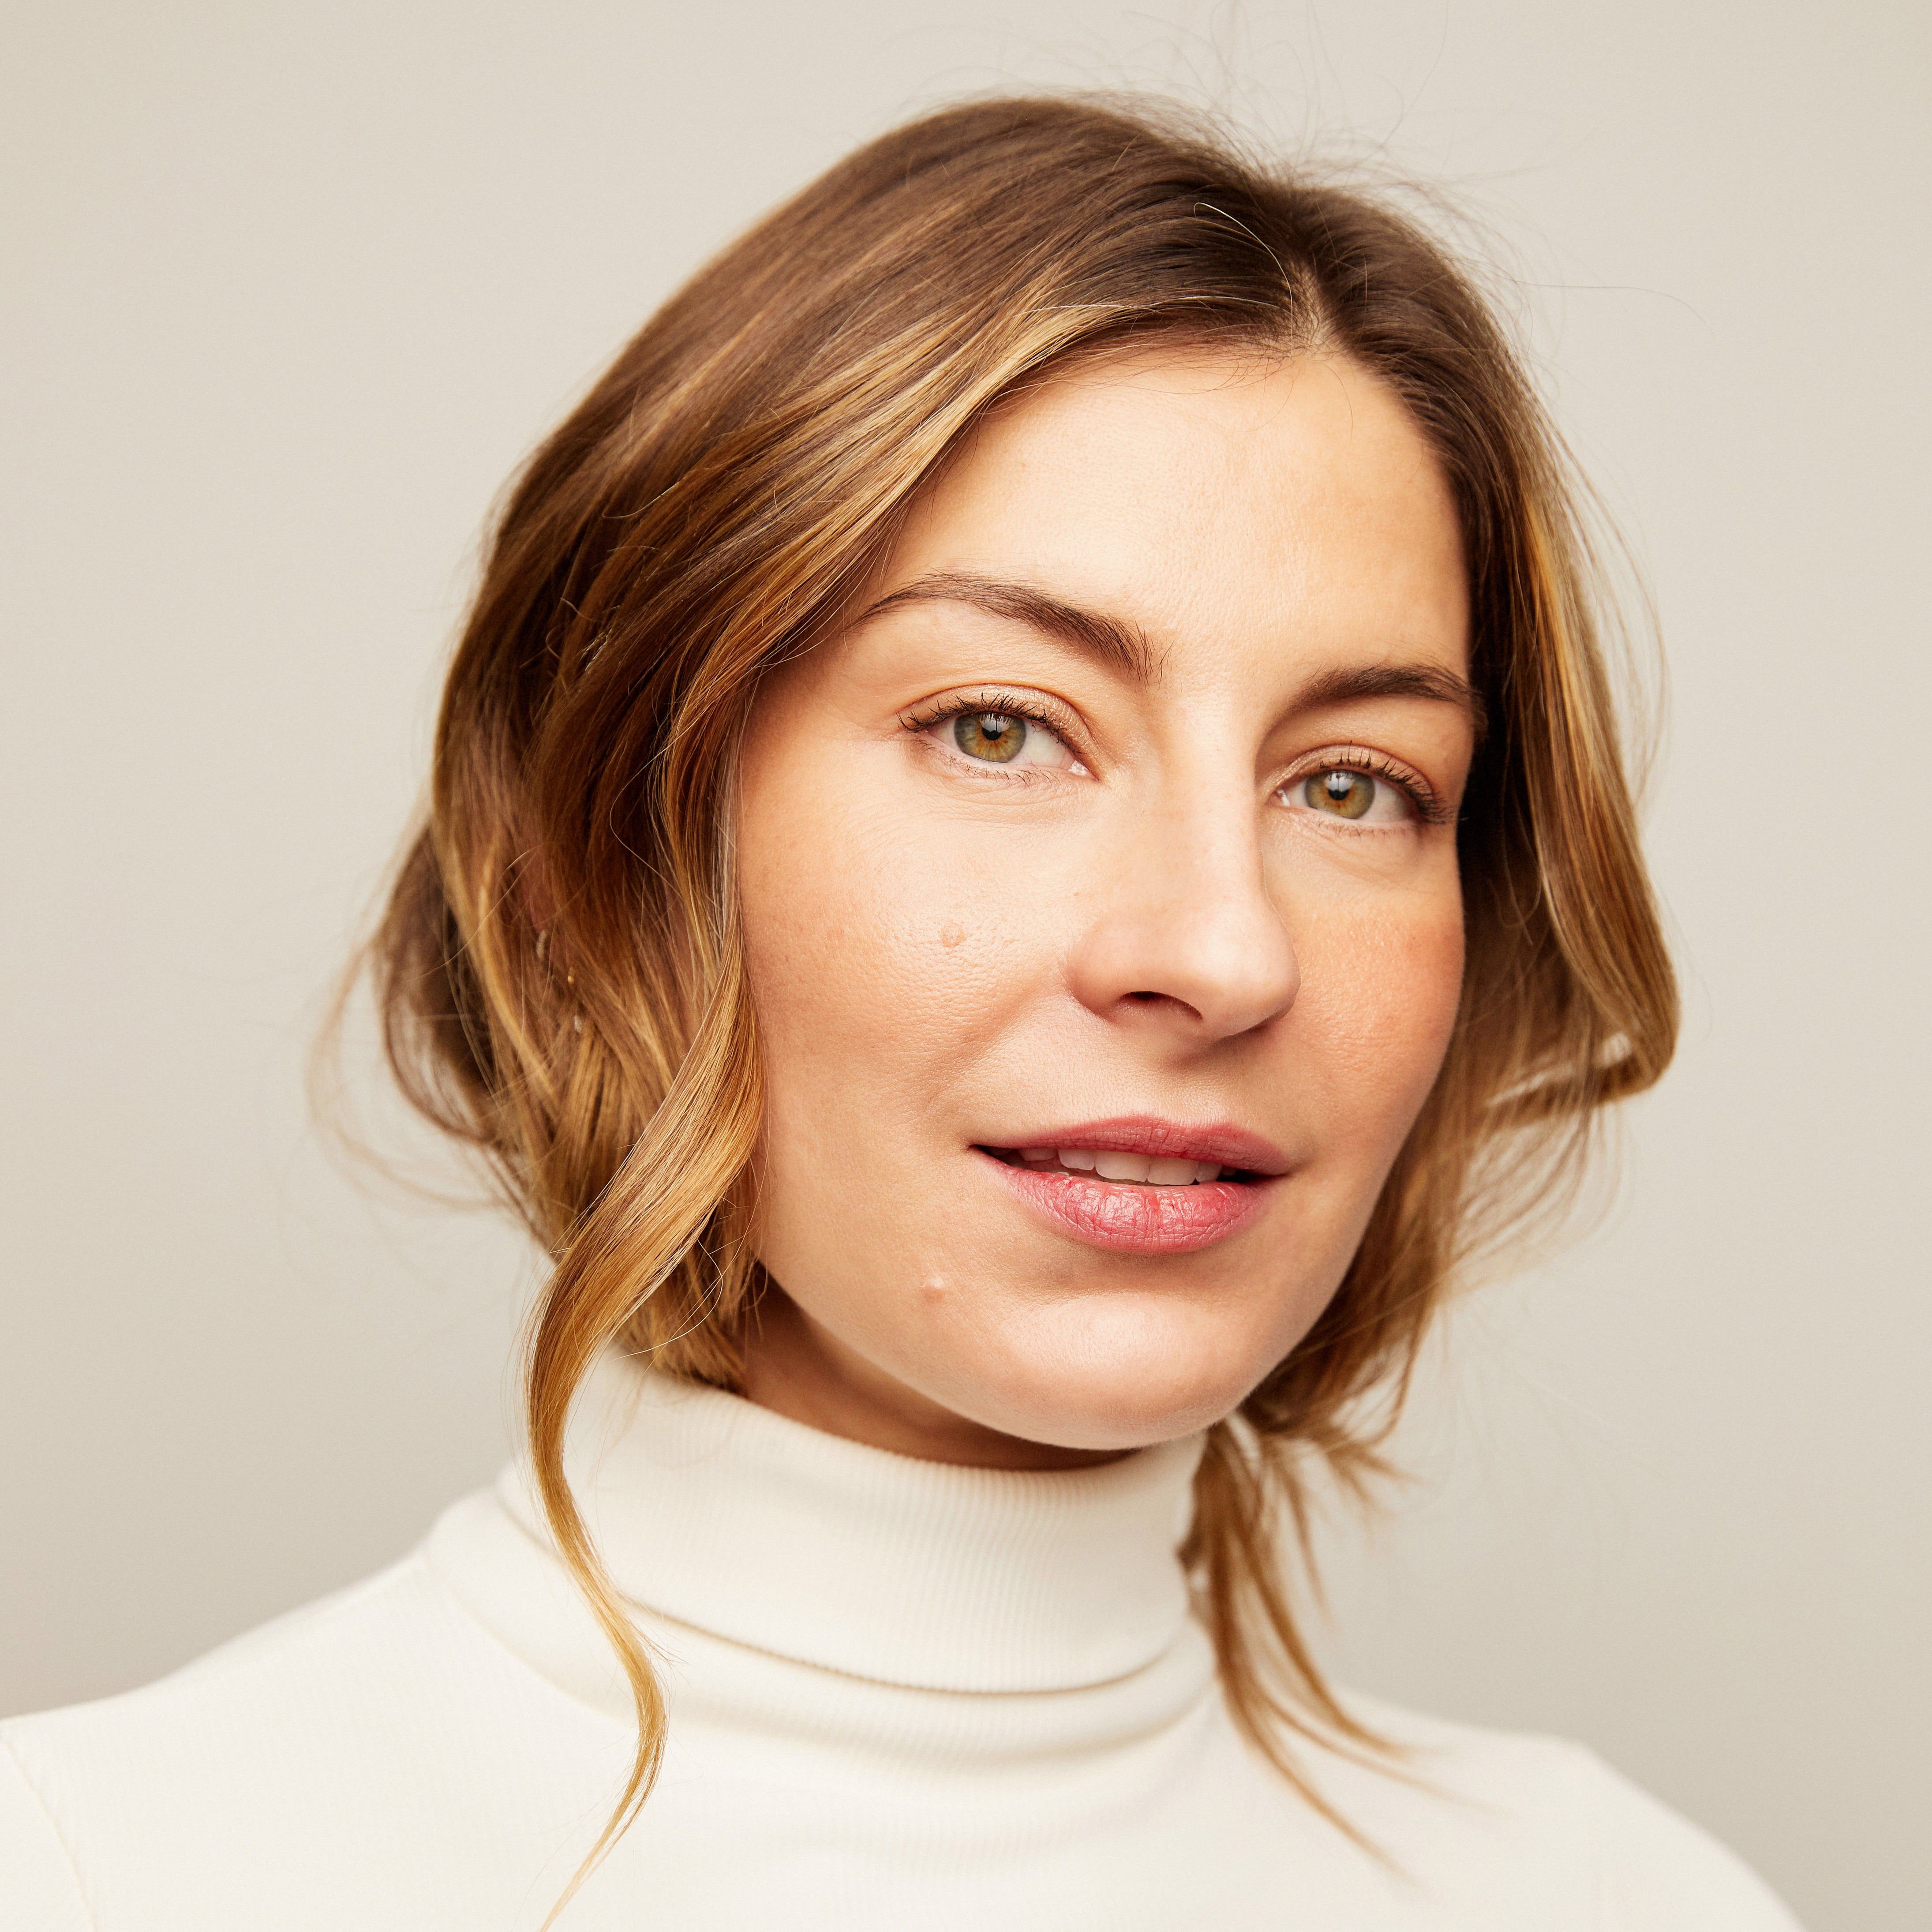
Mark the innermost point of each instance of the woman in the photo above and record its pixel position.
(1028, 849)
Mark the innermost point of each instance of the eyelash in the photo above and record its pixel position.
(1429, 809)
(999, 703)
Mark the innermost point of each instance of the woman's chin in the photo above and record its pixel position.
(1108, 1406)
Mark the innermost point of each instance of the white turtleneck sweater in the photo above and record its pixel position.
(903, 1695)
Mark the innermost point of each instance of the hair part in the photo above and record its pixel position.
(559, 970)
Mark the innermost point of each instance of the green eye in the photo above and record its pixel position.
(1341, 794)
(990, 735)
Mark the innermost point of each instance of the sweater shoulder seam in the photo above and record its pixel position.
(33, 1791)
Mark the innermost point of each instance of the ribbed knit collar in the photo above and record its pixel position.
(726, 1516)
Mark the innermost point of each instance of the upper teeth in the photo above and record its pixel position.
(1110, 1166)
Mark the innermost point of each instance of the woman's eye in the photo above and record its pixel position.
(1356, 796)
(1002, 738)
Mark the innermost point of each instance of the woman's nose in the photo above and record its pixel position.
(1184, 931)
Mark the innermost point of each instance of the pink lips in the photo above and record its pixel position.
(1134, 1218)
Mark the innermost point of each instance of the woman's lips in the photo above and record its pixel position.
(1219, 1142)
(1133, 1217)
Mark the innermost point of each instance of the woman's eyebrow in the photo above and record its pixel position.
(1125, 647)
(1352, 683)
(1121, 646)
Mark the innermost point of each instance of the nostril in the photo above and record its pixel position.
(1167, 1001)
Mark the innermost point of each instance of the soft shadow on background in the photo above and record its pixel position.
(292, 291)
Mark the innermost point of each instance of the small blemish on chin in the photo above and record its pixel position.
(950, 934)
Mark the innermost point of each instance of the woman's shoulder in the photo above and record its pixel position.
(292, 1658)
(292, 1676)
(361, 1719)
(66, 1773)
(1649, 1867)
(378, 1648)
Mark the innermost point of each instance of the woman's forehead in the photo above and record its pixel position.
(1288, 506)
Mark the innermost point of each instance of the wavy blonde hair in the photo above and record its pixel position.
(559, 969)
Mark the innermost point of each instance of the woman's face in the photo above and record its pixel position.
(1100, 899)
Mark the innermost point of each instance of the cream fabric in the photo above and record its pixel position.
(903, 1695)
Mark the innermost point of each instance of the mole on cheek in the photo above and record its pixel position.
(950, 934)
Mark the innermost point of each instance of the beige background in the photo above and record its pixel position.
(291, 289)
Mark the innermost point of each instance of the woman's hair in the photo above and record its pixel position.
(559, 969)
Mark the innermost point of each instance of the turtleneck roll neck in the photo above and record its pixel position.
(900, 1693)
(733, 1519)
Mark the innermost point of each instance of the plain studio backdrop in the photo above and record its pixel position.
(290, 291)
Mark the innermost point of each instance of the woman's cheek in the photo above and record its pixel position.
(822, 892)
(874, 977)
(1381, 994)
